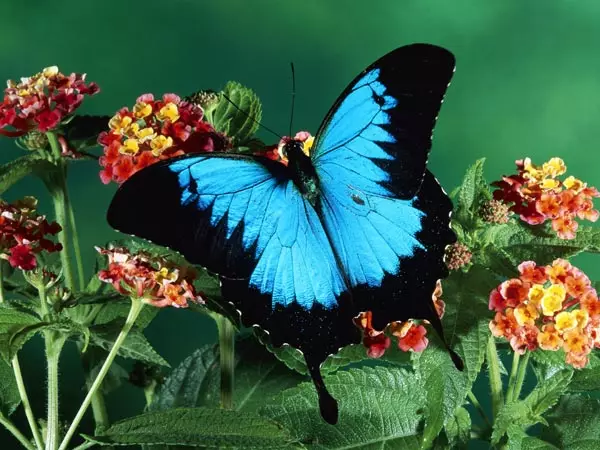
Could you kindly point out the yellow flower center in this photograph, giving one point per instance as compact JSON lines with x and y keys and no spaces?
{"x":129,"y":147}
{"x":160,"y":143}
{"x":141,"y":110}
{"x":169,"y":111}
{"x":565,"y":321}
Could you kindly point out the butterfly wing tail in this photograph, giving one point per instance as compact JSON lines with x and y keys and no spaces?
{"x":328,"y":405}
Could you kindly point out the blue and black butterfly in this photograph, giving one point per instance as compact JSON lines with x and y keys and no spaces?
{"x":359,"y":225}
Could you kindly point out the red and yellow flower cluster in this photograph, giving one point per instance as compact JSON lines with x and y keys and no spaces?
{"x":411,"y":335}
{"x":550,"y":307}
{"x":42,"y":101}
{"x":23,"y":233}
{"x":537,"y":195}
{"x":276,"y":153}
{"x":155,"y":280}
{"x":154,"y":130}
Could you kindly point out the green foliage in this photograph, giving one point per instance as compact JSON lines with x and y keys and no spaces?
{"x":82,"y":131}
{"x":574,"y":423}
{"x":527,"y":412}
{"x":458,"y":429}
{"x":379,"y":408}
{"x":197,"y":427}
{"x":470,"y":195}
{"x":135,"y":346}
{"x":186,"y":383}
{"x":466,"y":328}
{"x":9,"y":393}
{"x":239,"y":122}
{"x":12,"y":323}
{"x":12,"y":171}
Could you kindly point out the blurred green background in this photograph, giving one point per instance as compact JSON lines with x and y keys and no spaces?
{"x":527,"y":84}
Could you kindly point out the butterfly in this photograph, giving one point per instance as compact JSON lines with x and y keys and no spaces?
{"x":358,"y":225}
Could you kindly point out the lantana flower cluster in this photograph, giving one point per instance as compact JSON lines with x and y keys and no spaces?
{"x":410,"y":334}
{"x":276,"y":153}
{"x":155,"y":280}
{"x":23,"y":233}
{"x":550,"y":307}
{"x":537,"y":194}
{"x":154,"y":130}
{"x":41,"y":102}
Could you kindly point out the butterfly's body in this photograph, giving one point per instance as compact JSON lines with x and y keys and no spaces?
{"x":302,"y":171}
{"x":359,"y":225}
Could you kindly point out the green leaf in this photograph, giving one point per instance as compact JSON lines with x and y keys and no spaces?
{"x":458,"y":429}
{"x":135,"y":346}
{"x":239,"y":122}
{"x":82,"y":131}
{"x":472,"y":193}
{"x":574,"y":423}
{"x":379,"y":408}
{"x":197,"y":427}
{"x":13,"y":322}
{"x":13,"y":171}
{"x":528,"y":412}
{"x":546,"y":363}
{"x":466,"y":327}
{"x":9,"y":393}
{"x":259,"y":377}
{"x":520,"y":440}
{"x":512,"y":243}
{"x":113,"y":311}
{"x":184,"y":385}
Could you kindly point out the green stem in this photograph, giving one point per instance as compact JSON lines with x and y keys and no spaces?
{"x":521,"y":376}
{"x":494,"y":375}
{"x":513,"y":377}
{"x":77,"y":248}
{"x":15,"y":432}
{"x":54,"y":344}
{"x":58,"y":189}
{"x":479,"y":408}
{"x":1,"y":282}
{"x":99,"y":409}
{"x":136,"y":307}
{"x":37,"y":437}
{"x":227,"y":360}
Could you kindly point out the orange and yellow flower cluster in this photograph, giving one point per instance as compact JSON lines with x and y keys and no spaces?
{"x":155,"y":280}
{"x":42,"y":101}
{"x":154,"y":130}
{"x":550,"y":307}
{"x":410,"y":334}
{"x":537,"y":194}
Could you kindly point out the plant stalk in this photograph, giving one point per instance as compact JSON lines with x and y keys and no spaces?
{"x":136,"y":307}
{"x":37,"y":437}
{"x":76,"y":246}
{"x":15,"y":432}
{"x":495,"y":378}
{"x":227,"y":360}
{"x":521,"y":376}
{"x":56,"y":183}
{"x":54,"y":344}
{"x":479,"y":408}
{"x":513,"y":377}
{"x":21,"y":384}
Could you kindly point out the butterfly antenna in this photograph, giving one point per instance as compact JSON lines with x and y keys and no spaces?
{"x":250,"y":117}
{"x":293,"y":97}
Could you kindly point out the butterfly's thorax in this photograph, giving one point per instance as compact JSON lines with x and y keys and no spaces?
{"x":303,"y":171}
